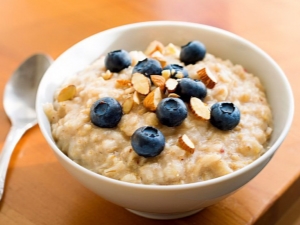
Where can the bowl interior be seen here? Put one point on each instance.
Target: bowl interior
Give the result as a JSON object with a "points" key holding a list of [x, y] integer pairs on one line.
{"points": [[137, 37]]}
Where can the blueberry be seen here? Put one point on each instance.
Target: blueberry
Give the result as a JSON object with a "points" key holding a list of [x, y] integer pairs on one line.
{"points": [[118, 60], [148, 67], [224, 115], [188, 88], [106, 112], [171, 111], [148, 141], [192, 52], [177, 69]]}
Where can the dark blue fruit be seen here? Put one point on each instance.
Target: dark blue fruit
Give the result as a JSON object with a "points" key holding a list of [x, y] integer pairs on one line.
{"points": [[178, 69], [192, 52], [188, 88], [224, 115], [106, 112], [171, 111], [118, 60], [148, 67], [148, 141]]}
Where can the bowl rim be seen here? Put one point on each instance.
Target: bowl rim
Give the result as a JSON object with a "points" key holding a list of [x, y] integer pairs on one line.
{"points": [[268, 154]]}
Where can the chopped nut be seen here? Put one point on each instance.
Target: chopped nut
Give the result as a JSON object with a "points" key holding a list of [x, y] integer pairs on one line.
{"points": [[123, 83], [127, 105], [107, 75], [141, 83], [207, 77], [185, 143], [160, 58], [136, 98], [152, 99], [171, 85], [171, 49], [129, 90], [158, 81], [153, 47], [173, 95], [200, 109], [67, 93], [166, 74], [136, 56], [179, 75]]}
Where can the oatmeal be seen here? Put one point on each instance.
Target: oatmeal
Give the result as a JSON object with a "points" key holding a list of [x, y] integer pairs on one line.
{"points": [[191, 147]]}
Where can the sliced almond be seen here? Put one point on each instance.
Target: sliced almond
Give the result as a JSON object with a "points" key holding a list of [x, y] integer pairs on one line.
{"points": [[67, 93], [152, 99], [171, 49], [136, 56], [129, 90], [136, 98], [171, 85], [127, 105], [160, 58], [153, 47], [173, 95], [141, 83], [123, 83], [185, 143], [158, 81], [207, 77], [200, 109]]}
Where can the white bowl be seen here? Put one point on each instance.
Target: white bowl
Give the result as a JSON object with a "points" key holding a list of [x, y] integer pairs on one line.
{"points": [[175, 201]]}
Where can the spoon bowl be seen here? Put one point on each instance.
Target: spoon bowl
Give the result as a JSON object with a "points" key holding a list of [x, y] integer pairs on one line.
{"points": [[19, 105]]}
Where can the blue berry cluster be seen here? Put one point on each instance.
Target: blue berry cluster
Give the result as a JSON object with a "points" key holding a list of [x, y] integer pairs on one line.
{"points": [[149, 141]]}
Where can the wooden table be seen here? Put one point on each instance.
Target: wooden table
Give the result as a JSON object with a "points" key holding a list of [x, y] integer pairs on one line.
{"points": [[39, 191]]}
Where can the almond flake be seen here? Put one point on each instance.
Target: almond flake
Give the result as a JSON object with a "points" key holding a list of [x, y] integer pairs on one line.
{"points": [[152, 99], [171, 85], [158, 81], [207, 77], [173, 95], [141, 83], [67, 93], [136, 56], [123, 83], [136, 98], [200, 109], [171, 49], [185, 143], [160, 58], [129, 90], [153, 47], [127, 105]]}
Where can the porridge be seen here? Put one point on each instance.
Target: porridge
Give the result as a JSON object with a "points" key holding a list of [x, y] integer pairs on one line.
{"points": [[168, 118]]}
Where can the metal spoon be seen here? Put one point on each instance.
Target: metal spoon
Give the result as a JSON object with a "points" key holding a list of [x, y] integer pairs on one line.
{"points": [[19, 105]]}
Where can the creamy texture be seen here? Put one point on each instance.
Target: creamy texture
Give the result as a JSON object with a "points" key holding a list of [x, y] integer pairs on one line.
{"points": [[108, 151]]}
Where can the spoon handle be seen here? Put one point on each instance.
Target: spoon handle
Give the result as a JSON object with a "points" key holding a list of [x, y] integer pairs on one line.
{"points": [[14, 135]]}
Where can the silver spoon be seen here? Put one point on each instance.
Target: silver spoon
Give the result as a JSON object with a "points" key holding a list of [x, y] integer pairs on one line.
{"points": [[19, 105]]}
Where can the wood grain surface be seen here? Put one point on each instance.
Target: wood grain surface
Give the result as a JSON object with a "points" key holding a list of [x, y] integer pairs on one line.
{"points": [[39, 191]]}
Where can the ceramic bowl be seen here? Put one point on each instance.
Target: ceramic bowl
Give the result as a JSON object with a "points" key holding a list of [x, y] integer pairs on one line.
{"points": [[174, 201]]}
